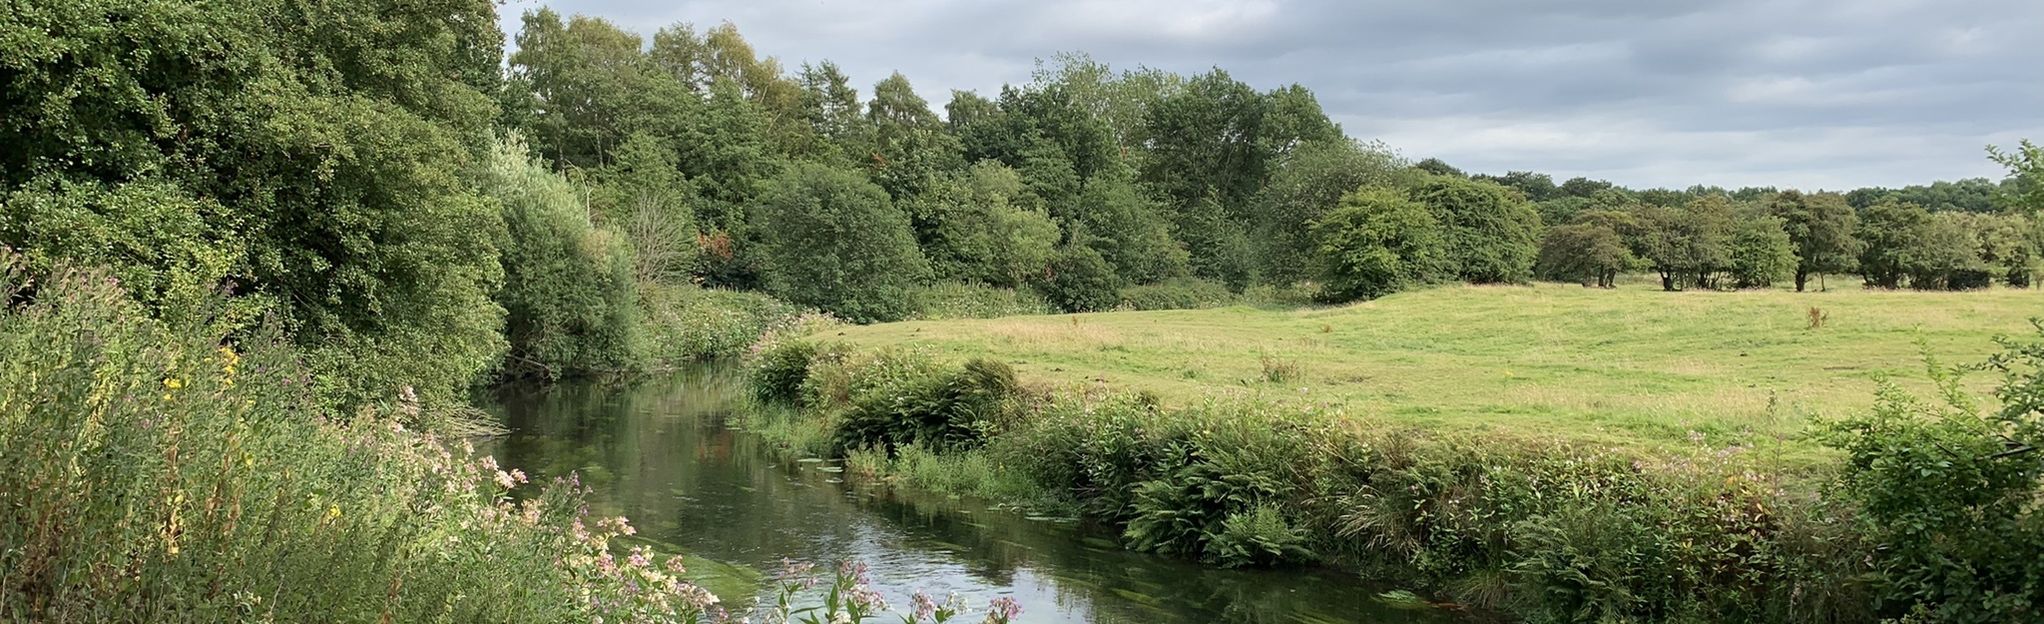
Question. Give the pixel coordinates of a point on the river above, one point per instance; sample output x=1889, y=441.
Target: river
x=663, y=453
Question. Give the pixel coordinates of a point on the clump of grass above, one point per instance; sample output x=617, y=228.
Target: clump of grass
x=1278, y=370
x=1817, y=318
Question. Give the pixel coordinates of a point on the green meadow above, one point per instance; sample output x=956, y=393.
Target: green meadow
x=1632, y=366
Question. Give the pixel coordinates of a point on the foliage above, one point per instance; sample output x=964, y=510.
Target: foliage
x=1306, y=185
x=1760, y=252
x=1490, y=234
x=2026, y=174
x=940, y=410
x=1178, y=294
x=1079, y=279
x=1377, y=242
x=975, y=226
x=1948, y=489
x=323, y=145
x=1586, y=253
x=688, y=324
x=159, y=474
x=571, y=304
x=835, y=242
x=953, y=300
x=1821, y=227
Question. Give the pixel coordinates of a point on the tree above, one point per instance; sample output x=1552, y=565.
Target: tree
x=569, y=297
x=833, y=240
x=1891, y=230
x=1821, y=228
x=1760, y=252
x=1946, y=255
x=2009, y=244
x=1437, y=166
x=1377, y=241
x=327, y=143
x=1687, y=245
x=1129, y=230
x=2025, y=185
x=910, y=145
x=1583, y=187
x=1490, y=231
x=975, y=225
x=1079, y=280
x=1537, y=187
x=1586, y=253
x=643, y=195
x=1310, y=182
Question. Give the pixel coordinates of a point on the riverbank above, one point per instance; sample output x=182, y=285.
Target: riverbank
x=1524, y=519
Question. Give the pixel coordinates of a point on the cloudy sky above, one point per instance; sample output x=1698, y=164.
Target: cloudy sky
x=1800, y=93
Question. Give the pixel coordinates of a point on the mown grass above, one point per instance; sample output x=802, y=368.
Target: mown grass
x=1632, y=367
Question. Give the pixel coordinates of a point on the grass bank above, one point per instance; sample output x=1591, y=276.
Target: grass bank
x=158, y=473
x=1549, y=452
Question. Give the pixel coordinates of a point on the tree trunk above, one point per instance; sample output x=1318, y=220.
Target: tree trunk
x=1802, y=277
x=1667, y=281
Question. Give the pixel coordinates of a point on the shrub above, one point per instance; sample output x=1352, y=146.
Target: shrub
x=1079, y=280
x=1490, y=232
x=1948, y=494
x=954, y=300
x=1377, y=242
x=687, y=324
x=777, y=371
x=571, y=303
x=834, y=241
x=921, y=404
x=1178, y=294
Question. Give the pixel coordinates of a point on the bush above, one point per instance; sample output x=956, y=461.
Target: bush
x=1178, y=294
x=570, y=300
x=685, y=323
x=1948, y=494
x=1377, y=242
x=158, y=474
x=898, y=399
x=1490, y=232
x=777, y=371
x=835, y=242
x=1079, y=280
x=952, y=300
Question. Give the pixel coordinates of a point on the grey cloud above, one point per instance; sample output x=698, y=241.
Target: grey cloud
x=1803, y=93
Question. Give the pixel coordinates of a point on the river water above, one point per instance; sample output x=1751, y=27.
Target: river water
x=664, y=454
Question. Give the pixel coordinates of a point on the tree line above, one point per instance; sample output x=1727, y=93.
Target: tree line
x=415, y=207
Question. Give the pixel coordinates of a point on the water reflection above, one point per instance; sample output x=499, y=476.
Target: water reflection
x=662, y=453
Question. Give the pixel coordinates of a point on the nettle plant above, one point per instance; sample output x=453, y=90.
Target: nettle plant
x=1950, y=492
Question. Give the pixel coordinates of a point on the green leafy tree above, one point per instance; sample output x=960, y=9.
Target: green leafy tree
x=326, y=142
x=1377, y=241
x=911, y=147
x=1890, y=230
x=1079, y=279
x=1490, y=231
x=834, y=241
x=2025, y=186
x=1761, y=251
x=570, y=301
x=1586, y=253
x=1129, y=230
x=1822, y=227
x=643, y=195
x=1945, y=254
x=1310, y=182
x=1687, y=246
x=978, y=227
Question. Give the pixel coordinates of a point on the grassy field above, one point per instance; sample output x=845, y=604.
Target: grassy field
x=1627, y=367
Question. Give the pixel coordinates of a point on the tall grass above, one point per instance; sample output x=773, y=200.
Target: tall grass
x=163, y=474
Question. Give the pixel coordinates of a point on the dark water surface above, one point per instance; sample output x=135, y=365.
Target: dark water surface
x=663, y=454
